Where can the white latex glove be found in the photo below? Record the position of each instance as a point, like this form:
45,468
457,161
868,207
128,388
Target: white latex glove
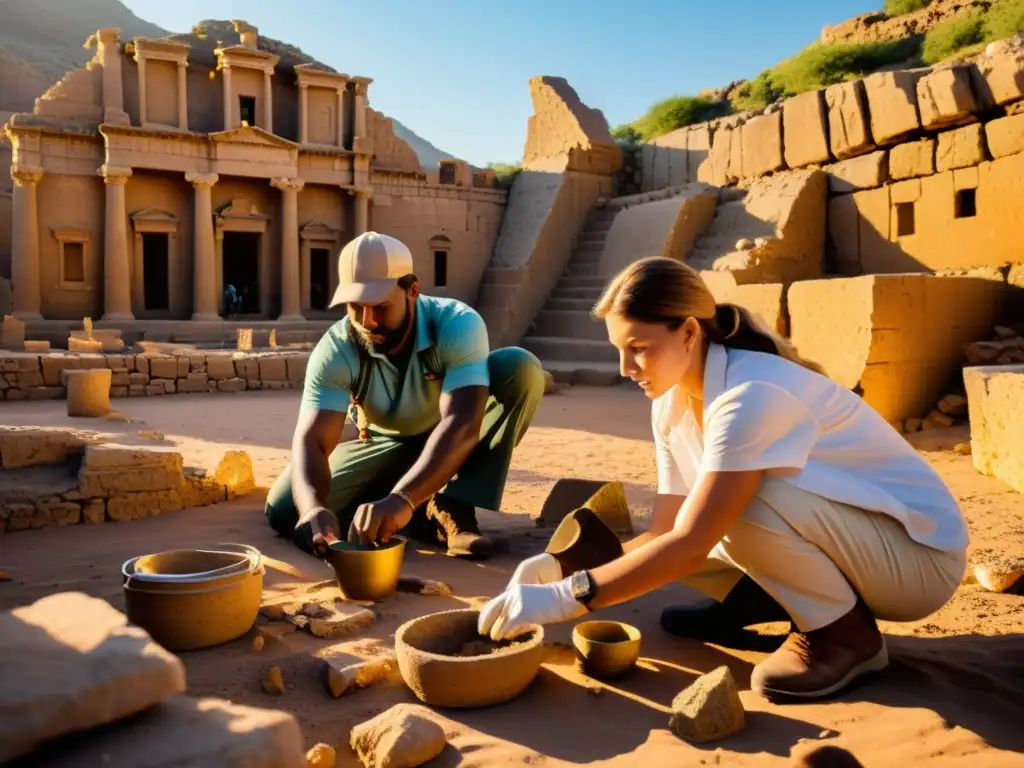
511,612
539,569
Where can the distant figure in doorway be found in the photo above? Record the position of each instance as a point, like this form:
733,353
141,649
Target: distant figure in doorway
232,301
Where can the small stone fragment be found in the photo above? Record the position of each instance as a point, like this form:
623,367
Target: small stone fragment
343,620
273,682
953,405
709,709
936,420
257,643
424,587
912,425
964,449
360,674
272,612
401,737
1003,332
998,572
321,756
744,244
317,610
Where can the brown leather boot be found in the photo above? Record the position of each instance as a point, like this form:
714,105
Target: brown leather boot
456,527
821,662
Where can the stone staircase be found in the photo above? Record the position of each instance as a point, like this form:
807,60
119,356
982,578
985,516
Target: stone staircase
570,343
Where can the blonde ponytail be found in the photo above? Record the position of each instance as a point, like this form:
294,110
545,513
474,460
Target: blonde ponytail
662,290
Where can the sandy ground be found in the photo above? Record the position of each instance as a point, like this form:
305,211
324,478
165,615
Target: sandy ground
954,694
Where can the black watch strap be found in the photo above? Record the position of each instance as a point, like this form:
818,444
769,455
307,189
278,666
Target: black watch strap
583,587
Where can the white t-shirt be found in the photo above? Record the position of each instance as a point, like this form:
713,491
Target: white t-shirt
762,411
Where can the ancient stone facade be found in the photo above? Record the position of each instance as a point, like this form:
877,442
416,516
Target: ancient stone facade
147,182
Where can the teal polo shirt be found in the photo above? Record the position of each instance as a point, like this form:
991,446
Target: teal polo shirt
450,352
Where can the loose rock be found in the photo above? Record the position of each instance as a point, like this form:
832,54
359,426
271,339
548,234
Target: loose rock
359,675
272,612
709,709
401,737
964,449
273,682
997,572
257,643
424,587
345,620
321,756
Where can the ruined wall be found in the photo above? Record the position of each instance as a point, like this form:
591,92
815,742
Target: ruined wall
78,95
666,227
390,153
425,217
923,166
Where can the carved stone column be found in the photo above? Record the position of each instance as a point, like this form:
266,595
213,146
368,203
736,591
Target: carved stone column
117,283
362,221
183,95
205,296
268,103
25,280
291,296
109,49
341,118
303,114
359,133
229,100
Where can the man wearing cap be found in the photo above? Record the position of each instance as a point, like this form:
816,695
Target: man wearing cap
438,414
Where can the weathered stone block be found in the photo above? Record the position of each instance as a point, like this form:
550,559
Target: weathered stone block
184,367
343,677
405,735
761,145
698,145
131,506
915,158
68,663
234,472
1005,136
94,511
247,368
193,382
30,379
53,367
960,148
160,367
187,733
864,172
805,129
765,301
88,392
296,364
995,399
945,97
37,446
849,133
892,102
218,368
709,709
273,369
896,338
231,385
1000,78
56,513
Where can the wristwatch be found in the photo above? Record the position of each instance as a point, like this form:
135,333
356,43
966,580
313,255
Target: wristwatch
583,587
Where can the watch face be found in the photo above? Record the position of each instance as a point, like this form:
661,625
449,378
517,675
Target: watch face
580,584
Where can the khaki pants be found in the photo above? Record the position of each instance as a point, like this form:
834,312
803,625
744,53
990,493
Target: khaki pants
814,556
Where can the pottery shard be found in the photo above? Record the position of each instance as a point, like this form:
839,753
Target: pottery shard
346,620
186,733
234,472
70,662
401,737
709,709
321,756
359,675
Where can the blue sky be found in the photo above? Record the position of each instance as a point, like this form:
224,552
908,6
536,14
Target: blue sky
456,71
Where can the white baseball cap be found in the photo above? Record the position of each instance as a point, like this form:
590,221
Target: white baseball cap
369,267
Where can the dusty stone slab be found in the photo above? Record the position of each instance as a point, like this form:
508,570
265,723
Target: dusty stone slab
960,148
997,571
864,172
36,446
1000,76
764,300
186,732
995,397
1005,136
405,735
892,102
761,145
912,159
345,677
805,129
709,709
70,662
946,97
848,125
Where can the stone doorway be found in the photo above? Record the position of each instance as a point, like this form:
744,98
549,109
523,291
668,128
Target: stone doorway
156,271
319,278
240,267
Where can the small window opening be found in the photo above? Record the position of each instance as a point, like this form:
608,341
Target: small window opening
440,269
447,173
904,219
966,203
74,262
247,109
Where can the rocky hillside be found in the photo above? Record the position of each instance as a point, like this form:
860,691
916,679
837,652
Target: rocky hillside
41,40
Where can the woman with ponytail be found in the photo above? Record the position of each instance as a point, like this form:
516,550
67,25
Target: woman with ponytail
781,496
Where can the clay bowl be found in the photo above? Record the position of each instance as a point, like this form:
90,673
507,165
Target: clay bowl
367,572
606,649
425,648
194,598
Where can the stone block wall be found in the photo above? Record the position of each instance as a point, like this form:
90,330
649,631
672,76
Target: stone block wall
994,396
28,376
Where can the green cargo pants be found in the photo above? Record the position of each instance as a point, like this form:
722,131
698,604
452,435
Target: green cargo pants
366,471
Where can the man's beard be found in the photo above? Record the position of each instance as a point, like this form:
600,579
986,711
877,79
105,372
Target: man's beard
386,339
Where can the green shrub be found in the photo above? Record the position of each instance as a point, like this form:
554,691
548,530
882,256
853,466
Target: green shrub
626,136
669,114
755,94
1005,18
505,172
953,35
900,7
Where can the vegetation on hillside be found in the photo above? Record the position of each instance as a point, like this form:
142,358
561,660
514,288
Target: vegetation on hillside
972,31
900,7
505,173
